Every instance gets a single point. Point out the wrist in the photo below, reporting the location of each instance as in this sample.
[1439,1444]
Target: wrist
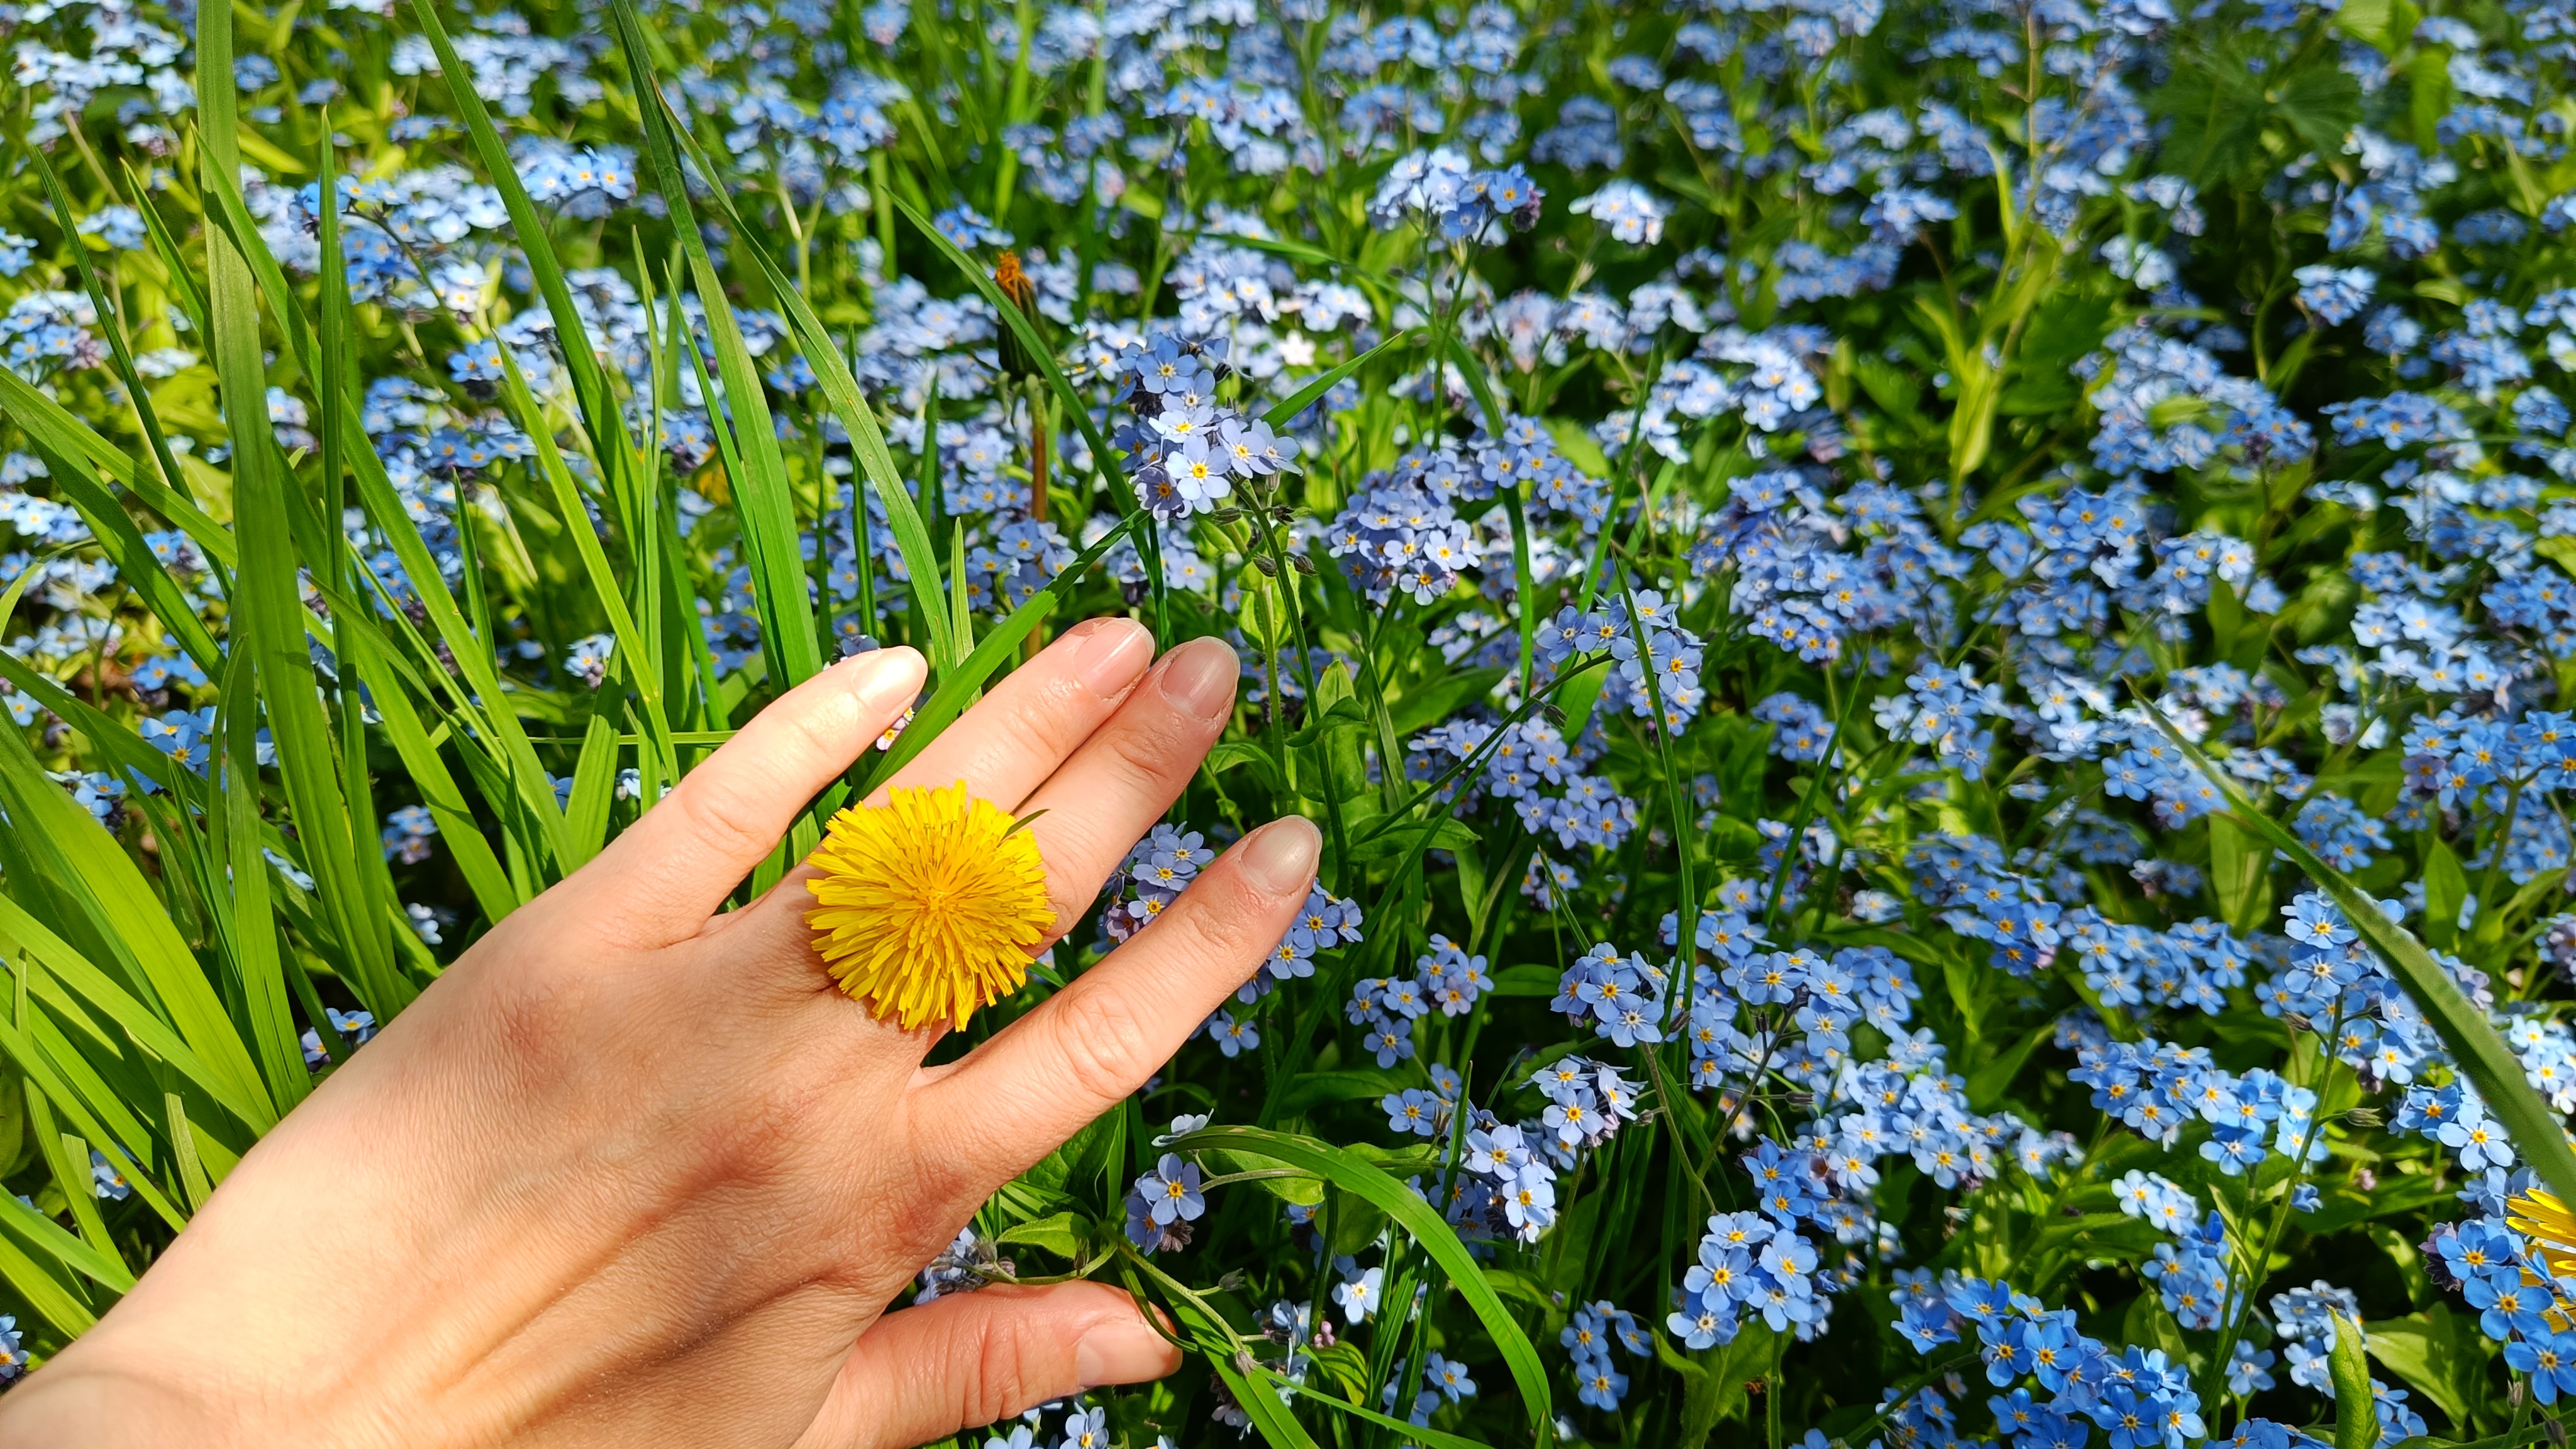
[79,1402]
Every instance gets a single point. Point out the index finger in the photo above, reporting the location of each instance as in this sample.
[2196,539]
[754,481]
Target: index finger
[658,882]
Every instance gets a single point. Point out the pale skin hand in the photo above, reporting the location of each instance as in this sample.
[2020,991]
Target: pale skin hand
[634,1172]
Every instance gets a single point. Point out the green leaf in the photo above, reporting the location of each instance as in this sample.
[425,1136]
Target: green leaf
[1060,1234]
[640,660]
[2537,1130]
[958,687]
[1420,708]
[88,869]
[1988,1083]
[1427,1228]
[2239,871]
[2356,1423]
[1286,409]
[1309,1090]
[52,961]
[1279,1428]
[1410,1433]
[599,409]
[2446,889]
[1479,385]
[841,390]
[1450,834]
[111,322]
[755,468]
[258,960]
[41,1284]
[2426,1350]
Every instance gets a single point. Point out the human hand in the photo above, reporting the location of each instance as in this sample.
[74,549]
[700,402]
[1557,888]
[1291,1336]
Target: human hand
[634,1171]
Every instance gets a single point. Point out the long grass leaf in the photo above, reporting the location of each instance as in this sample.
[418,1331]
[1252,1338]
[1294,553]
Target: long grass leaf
[268,620]
[1427,1228]
[632,645]
[1412,1434]
[1009,315]
[71,1174]
[384,507]
[1285,411]
[43,1234]
[55,428]
[957,689]
[180,277]
[40,1282]
[599,408]
[760,488]
[257,960]
[493,893]
[60,963]
[121,907]
[2538,1132]
[42,1074]
[841,390]
[1279,1428]
[111,322]
[122,542]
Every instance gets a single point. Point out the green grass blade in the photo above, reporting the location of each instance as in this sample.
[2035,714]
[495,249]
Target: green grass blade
[40,1281]
[1012,317]
[1479,386]
[41,1075]
[120,350]
[54,428]
[438,792]
[635,650]
[165,246]
[957,688]
[841,390]
[525,776]
[59,962]
[268,621]
[104,885]
[1427,1228]
[183,1139]
[761,492]
[1279,1428]
[2481,1054]
[1286,411]
[50,1142]
[599,408]
[1412,1434]
[257,962]
[594,777]
[43,1234]
[135,562]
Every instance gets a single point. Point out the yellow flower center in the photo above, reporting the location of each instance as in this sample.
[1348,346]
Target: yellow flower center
[928,905]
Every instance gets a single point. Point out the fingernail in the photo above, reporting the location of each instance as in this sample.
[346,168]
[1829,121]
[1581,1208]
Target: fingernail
[1110,654]
[1121,1351]
[1280,856]
[887,677]
[1199,677]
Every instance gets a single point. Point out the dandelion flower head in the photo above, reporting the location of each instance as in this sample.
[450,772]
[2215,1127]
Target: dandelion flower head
[2544,1222]
[928,905]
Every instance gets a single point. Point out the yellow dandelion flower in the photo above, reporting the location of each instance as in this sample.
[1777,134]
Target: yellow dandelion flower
[2545,1223]
[928,905]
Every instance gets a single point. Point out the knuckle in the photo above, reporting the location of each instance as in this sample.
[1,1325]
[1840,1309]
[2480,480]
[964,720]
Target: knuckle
[1103,1044]
[725,818]
[1147,753]
[1068,905]
[998,1386]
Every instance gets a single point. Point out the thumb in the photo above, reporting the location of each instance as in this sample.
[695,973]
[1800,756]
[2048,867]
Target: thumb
[971,1359]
